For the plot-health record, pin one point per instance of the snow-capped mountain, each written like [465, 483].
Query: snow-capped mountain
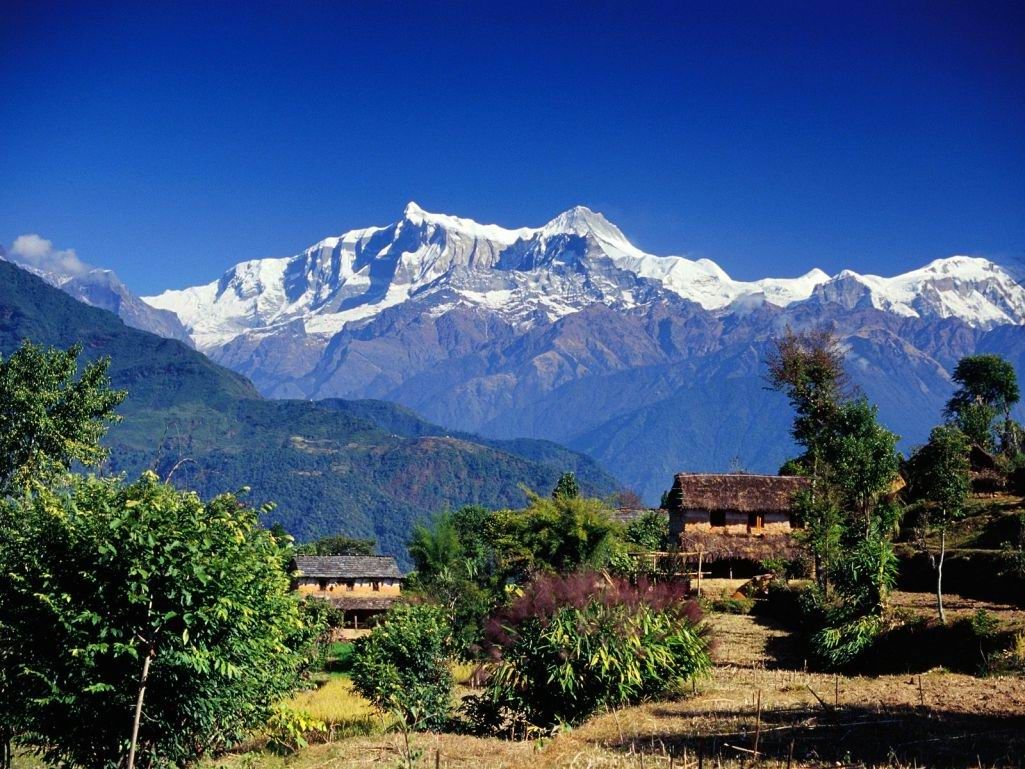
[528, 276]
[98, 287]
[650, 364]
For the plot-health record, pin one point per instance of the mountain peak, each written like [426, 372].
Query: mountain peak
[413, 213]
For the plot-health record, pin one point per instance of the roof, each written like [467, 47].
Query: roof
[734, 491]
[627, 515]
[348, 566]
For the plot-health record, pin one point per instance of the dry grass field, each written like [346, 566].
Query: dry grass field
[758, 708]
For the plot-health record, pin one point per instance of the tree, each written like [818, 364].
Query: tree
[402, 666]
[808, 369]
[567, 487]
[559, 534]
[649, 532]
[860, 457]
[337, 544]
[48, 418]
[941, 477]
[137, 621]
[988, 387]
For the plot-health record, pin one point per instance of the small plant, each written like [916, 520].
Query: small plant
[731, 605]
[289, 728]
[402, 666]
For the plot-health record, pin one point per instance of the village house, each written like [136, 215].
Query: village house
[735, 517]
[361, 586]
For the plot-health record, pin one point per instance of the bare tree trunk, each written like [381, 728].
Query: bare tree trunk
[939, 575]
[138, 708]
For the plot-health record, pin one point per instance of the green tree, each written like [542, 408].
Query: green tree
[48, 418]
[559, 534]
[137, 622]
[940, 474]
[402, 666]
[567, 487]
[337, 544]
[860, 456]
[649, 532]
[988, 387]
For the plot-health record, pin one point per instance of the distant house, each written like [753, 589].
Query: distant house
[360, 585]
[733, 503]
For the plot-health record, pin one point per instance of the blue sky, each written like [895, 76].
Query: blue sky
[169, 141]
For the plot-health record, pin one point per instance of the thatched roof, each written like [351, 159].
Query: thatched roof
[626, 515]
[347, 566]
[362, 602]
[719, 546]
[734, 491]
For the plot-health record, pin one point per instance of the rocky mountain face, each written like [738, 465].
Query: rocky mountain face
[650, 364]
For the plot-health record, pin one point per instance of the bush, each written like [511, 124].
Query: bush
[402, 666]
[571, 645]
[731, 605]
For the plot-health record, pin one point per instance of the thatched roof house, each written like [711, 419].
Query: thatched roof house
[733, 503]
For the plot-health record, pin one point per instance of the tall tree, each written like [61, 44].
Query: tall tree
[988, 387]
[941, 479]
[566, 487]
[50, 419]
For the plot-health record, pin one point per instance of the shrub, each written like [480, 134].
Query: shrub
[569, 645]
[402, 666]
[731, 605]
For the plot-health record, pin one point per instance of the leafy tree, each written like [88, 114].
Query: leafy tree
[566, 487]
[570, 645]
[402, 666]
[559, 534]
[988, 387]
[435, 549]
[337, 544]
[808, 369]
[860, 456]
[649, 532]
[48, 418]
[137, 622]
[941, 477]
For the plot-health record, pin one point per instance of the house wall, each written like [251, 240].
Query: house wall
[338, 586]
[734, 522]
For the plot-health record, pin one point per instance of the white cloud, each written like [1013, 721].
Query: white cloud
[35, 251]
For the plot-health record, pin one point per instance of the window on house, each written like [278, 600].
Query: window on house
[349, 585]
[717, 518]
[755, 520]
[322, 583]
[377, 585]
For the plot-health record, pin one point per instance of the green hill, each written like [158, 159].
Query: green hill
[365, 468]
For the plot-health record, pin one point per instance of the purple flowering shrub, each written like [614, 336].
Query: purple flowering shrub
[571, 645]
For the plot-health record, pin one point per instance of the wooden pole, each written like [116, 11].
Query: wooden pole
[758, 724]
[701, 554]
[138, 708]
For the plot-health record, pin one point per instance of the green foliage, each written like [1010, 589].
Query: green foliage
[567, 487]
[559, 534]
[988, 387]
[402, 666]
[49, 419]
[860, 456]
[98, 577]
[571, 645]
[940, 473]
[288, 729]
[731, 605]
[649, 532]
[337, 544]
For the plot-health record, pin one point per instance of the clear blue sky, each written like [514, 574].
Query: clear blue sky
[169, 141]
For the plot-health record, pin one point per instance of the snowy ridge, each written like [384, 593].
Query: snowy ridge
[530, 274]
